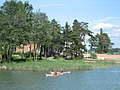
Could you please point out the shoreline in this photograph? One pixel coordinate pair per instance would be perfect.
(55, 65)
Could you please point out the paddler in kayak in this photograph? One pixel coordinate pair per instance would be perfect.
(58, 73)
(55, 73)
(61, 71)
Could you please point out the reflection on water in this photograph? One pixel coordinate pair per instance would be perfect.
(99, 79)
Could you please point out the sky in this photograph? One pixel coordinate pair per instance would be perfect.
(98, 13)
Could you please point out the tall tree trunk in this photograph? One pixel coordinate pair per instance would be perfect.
(45, 52)
(7, 53)
(71, 55)
(34, 53)
(41, 52)
(48, 52)
(30, 53)
(22, 55)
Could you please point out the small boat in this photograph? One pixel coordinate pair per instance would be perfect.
(60, 72)
(53, 74)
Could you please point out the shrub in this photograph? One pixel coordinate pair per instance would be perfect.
(56, 56)
(94, 56)
(26, 55)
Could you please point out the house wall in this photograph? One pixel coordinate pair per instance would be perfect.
(26, 48)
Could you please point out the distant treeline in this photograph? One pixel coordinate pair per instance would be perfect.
(115, 50)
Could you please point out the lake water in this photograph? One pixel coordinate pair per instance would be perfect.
(99, 79)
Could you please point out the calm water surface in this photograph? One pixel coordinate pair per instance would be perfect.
(99, 79)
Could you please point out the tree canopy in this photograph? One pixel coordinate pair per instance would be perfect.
(19, 25)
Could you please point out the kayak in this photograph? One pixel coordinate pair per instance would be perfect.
(60, 72)
(50, 75)
(53, 74)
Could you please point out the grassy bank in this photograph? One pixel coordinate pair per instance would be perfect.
(57, 65)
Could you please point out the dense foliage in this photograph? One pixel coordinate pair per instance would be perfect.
(20, 26)
(101, 43)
